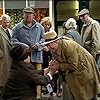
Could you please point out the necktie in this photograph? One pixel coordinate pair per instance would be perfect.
(8, 34)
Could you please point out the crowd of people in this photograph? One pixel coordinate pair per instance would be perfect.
(34, 59)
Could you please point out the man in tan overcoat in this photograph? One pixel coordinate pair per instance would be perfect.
(81, 77)
(90, 34)
(5, 47)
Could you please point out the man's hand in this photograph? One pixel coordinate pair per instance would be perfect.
(34, 47)
(53, 66)
(45, 48)
(27, 60)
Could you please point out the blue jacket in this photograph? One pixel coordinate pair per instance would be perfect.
(28, 36)
(73, 34)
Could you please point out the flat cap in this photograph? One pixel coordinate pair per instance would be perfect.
(83, 11)
(28, 10)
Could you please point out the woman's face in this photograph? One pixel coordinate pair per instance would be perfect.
(47, 26)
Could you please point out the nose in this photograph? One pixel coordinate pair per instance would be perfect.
(81, 17)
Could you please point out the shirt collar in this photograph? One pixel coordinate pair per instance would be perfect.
(58, 52)
(23, 25)
(4, 28)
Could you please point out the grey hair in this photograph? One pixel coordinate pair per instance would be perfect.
(70, 24)
(5, 17)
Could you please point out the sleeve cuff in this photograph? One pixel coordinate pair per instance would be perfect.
(50, 76)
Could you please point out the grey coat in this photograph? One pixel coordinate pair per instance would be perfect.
(73, 34)
(90, 34)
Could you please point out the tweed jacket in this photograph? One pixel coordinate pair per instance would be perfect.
(5, 59)
(83, 77)
(22, 81)
(90, 34)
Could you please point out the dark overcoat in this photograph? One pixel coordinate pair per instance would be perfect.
(22, 81)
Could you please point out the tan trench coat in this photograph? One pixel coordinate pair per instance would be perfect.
(90, 34)
(83, 77)
(5, 59)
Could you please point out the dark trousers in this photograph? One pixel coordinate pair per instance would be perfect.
(95, 98)
(1, 89)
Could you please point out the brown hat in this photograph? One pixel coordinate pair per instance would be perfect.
(28, 10)
(49, 37)
(20, 53)
(83, 11)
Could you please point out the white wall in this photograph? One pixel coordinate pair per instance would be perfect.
(42, 4)
(15, 4)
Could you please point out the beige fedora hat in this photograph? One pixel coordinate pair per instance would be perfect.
(49, 37)
(52, 37)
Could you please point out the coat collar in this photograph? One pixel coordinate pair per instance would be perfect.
(23, 25)
(58, 52)
(2, 32)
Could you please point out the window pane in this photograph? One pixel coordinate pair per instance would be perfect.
(66, 9)
(14, 10)
(94, 7)
(15, 4)
(39, 3)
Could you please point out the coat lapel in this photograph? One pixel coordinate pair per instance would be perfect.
(2, 32)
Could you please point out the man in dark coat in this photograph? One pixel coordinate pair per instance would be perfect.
(23, 79)
(5, 47)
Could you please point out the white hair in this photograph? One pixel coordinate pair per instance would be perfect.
(5, 17)
(70, 24)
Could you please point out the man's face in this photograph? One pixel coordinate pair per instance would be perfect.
(84, 17)
(53, 46)
(5, 23)
(28, 16)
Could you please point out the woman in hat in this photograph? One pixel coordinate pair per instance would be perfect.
(81, 77)
(23, 78)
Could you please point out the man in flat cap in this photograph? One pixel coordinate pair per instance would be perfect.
(90, 34)
(81, 77)
(30, 33)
